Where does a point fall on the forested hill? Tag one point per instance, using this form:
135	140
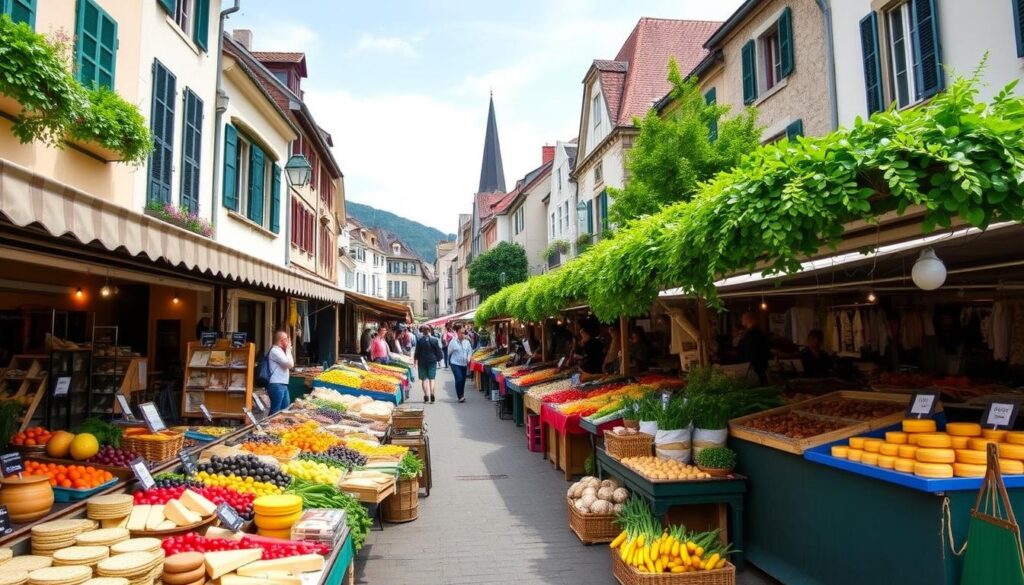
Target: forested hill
420	237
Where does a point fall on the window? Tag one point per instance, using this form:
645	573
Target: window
559	220
602	210
20	10
192	16
771	64
567	216
252	183
559	179
412	268
596	110
183	14
768	59
191	151
599	173
282	76
396	249
349	280
900	77
161	125
552	225
95	45
303	221
913	70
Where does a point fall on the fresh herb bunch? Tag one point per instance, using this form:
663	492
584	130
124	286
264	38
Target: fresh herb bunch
674	415
410	467
105	433
717	458
710	411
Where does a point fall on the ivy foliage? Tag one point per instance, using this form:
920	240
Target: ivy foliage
675	152
953	157
485	272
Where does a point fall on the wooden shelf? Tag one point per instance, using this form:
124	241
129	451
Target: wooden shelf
221	402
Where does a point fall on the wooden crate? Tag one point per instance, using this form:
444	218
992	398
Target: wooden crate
851	427
573	450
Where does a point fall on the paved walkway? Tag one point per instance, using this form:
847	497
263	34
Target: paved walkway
496	513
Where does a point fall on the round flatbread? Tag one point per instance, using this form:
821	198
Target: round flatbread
183	562
13	577
136	545
26	563
185	578
82	555
58	527
103	537
60	575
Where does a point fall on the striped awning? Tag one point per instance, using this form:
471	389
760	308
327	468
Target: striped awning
27	198
381	307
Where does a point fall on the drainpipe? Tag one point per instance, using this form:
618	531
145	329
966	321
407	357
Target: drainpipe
219	114
830	62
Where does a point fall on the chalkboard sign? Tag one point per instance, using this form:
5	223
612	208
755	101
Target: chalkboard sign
5	522
228	517
151	415
238	339
10	463
208	338
142	473
188	462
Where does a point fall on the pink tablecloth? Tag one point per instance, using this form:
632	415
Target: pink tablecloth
567	423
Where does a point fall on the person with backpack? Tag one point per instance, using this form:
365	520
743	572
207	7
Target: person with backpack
445	340
280	361
428	353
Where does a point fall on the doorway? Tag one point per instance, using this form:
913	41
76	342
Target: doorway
251	316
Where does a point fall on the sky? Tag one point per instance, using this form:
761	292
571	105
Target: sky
402	86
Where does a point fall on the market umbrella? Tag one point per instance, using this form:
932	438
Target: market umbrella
993	539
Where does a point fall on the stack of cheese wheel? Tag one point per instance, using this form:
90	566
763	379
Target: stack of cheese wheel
275	515
187	568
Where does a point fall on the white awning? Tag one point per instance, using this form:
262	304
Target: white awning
27	198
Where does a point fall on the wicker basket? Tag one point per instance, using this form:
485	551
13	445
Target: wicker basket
626	575
155	449
404	504
636	445
592	528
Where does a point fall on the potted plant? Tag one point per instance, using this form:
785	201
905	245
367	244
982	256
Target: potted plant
672	439
648	412
716	461
711	414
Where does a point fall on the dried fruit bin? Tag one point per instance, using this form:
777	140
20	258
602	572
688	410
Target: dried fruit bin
635	445
627	575
592	528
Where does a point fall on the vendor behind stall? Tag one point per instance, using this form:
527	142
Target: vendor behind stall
816	361
590	352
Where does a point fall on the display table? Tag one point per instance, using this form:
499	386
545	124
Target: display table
568	445
341	565
663	495
813	524
518	415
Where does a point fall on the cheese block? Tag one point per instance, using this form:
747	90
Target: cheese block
268	580
968	470
995	434
137	519
896	437
960	442
223	562
971	457
218	532
926	455
904	465
197	503
934	470
913	425
907	451
869	458
857	443
115	523
886	461
156	516
840	451
298	564
180	515
1011	451
889	449
872	445
934	440
979	443
963	429
167	525
1015	437
855	455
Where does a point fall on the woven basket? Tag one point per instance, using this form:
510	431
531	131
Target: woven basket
626	575
403	505
155	449
636	445
592	528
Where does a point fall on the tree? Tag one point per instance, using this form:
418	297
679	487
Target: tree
497	268
674	154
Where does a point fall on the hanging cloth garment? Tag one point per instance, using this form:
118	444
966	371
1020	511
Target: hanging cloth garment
799	322
858	331
999	340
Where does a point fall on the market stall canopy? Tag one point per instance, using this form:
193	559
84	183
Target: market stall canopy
385	308
27	198
442	321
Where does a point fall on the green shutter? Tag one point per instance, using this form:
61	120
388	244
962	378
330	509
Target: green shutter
20	11
602	204
590	216
191	151
230	180
257	172
275	199
871	57
749	73
711	98
201	30
786	42
96	45
161	124
1018	25
795	128
168	5
927	59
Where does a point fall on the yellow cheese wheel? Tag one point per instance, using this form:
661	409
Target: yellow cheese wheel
869	458
912	438
1011	466
857	442
937	470
1011	451
889	449
979	444
277	505
872	445
855	455
840	451
904	465
1015	437
283	534
960	442
970	457
934	440
913	425
896	437
907	451
886	461
968	470
926	455
277	522
995	434
964	429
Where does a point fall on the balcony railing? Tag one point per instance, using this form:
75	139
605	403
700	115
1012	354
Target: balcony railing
398	297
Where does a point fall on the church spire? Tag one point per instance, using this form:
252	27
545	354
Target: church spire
492	174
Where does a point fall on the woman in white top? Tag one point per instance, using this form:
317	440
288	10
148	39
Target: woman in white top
281	363
459	352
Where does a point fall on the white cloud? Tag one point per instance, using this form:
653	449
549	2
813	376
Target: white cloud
285	36
398	45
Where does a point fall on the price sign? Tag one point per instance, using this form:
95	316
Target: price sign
526	346
575	380
561	361
259	402
126	408
251	417
228	517
206	412
62	386
665	396
363	363
142	473
152	417
239	338
923	404
208	338
5	522
10	463
1000	413
188	462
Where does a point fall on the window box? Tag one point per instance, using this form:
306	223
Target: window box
179	217
95	150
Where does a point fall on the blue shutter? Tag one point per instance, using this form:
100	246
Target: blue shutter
20	11
230	179
168	5
257	172
191	151
927	57
1018	25
871	57
275	199
749	73
786	42
201	30
711	98
161	123
795	129
95	46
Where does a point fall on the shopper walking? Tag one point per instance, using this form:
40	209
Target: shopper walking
281	362
379	351
449	335
459	351
427	354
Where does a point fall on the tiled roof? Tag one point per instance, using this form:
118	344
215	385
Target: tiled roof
278	56
485	203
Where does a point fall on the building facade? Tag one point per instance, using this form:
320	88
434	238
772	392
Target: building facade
444	269
527	210
407	275
564	220
369	276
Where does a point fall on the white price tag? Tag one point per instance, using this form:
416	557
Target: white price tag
1000	414
922	405
126	409
206	412
665	396
256	398
252	418
526	346
62	386
151	415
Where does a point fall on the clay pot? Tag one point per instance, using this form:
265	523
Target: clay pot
28	498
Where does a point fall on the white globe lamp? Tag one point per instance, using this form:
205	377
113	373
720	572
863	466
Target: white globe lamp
929	272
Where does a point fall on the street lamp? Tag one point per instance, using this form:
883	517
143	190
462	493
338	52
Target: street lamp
503	278
298	170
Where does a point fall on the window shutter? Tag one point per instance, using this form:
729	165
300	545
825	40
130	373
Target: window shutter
168	5
871	57
201	29
602	204
711	98
927	59
275	199
795	128
20	10
191	151
257	174
590	216
230	180
95	46
161	120
1018	25
749	73
786	42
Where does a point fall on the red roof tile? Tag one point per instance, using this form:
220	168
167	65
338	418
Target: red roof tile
485	203
278	57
